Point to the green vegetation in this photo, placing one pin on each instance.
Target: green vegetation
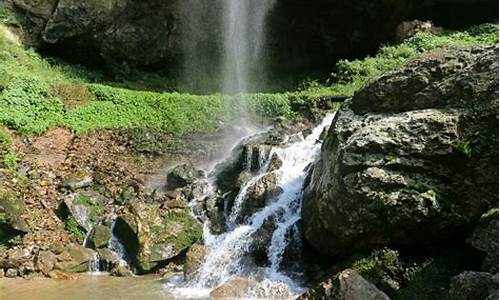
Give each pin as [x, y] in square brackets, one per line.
[72, 227]
[39, 93]
[406, 277]
[94, 208]
[349, 76]
[464, 147]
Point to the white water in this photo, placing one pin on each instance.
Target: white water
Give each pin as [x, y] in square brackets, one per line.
[228, 251]
[244, 38]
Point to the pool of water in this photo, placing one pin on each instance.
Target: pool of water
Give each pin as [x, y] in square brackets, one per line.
[85, 288]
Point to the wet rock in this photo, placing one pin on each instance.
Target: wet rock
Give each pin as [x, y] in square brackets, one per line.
[108, 259]
[152, 235]
[100, 236]
[84, 208]
[485, 239]
[255, 156]
[275, 164]
[397, 165]
[181, 176]
[474, 285]
[194, 258]
[346, 285]
[264, 189]
[75, 259]
[45, 262]
[121, 271]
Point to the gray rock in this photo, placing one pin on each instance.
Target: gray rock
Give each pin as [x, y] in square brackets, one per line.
[474, 286]
[78, 181]
[45, 262]
[397, 165]
[152, 235]
[11, 273]
[485, 239]
[181, 176]
[194, 258]
[346, 285]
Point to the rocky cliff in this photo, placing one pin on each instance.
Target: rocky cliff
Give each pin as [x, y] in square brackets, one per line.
[303, 38]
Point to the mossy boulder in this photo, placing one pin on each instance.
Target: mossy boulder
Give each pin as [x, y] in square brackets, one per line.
[80, 212]
[100, 236]
[12, 222]
[75, 259]
[152, 235]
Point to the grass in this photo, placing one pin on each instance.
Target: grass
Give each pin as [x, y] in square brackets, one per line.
[39, 93]
[350, 76]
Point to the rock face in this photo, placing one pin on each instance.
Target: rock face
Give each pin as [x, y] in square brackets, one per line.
[126, 33]
[152, 235]
[113, 30]
[474, 285]
[347, 285]
[485, 239]
[412, 158]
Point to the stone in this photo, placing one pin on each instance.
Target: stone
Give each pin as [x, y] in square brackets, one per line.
[121, 271]
[264, 189]
[108, 259]
[45, 262]
[60, 275]
[100, 236]
[181, 176]
[75, 259]
[346, 285]
[85, 208]
[485, 239]
[234, 288]
[12, 222]
[194, 258]
[275, 164]
[474, 285]
[78, 181]
[152, 235]
[11, 273]
[394, 169]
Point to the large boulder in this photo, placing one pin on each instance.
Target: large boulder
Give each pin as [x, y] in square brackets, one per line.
[346, 285]
[412, 158]
[474, 285]
[152, 235]
[12, 222]
[75, 259]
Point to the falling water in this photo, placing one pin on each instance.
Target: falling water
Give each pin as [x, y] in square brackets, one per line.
[244, 40]
[223, 44]
[228, 252]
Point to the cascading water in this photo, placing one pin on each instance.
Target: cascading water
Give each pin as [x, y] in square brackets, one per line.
[229, 252]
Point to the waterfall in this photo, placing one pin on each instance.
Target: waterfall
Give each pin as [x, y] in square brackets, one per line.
[244, 40]
[223, 44]
[229, 252]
